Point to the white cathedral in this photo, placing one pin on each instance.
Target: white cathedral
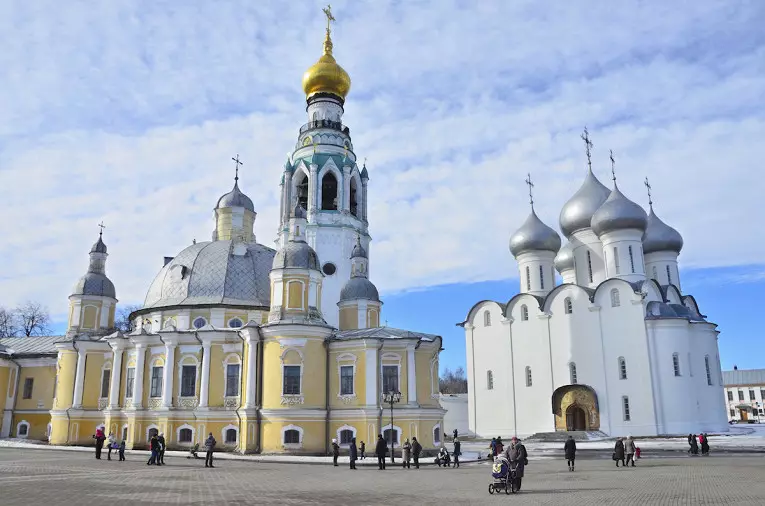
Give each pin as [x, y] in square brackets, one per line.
[616, 348]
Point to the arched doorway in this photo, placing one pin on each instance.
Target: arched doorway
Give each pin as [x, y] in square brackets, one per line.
[576, 408]
[576, 419]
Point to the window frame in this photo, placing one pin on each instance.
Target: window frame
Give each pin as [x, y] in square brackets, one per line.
[487, 318]
[291, 386]
[28, 389]
[632, 258]
[568, 306]
[616, 259]
[524, 313]
[529, 378]
[156, 383]
[541, 277]
[397, 387]
[232, 381]
[528, 278]
[129, 382]
[106, 378]
[181, 431]
[676, 365]
[589, 266]
[709, 370]
[730, 396]
[197, 319]
[622, 365]
[572, 373]
[627, 416]
[344, 379]
[226, 432]
[187, 385]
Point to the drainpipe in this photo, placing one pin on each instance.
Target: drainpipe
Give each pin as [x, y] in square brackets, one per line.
[15, 393]
[242, 379]
[379, 388]
[326, 399]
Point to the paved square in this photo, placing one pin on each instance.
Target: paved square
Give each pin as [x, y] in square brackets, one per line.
[47, 477]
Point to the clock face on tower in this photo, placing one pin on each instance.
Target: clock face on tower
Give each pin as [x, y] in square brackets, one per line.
[307, 141]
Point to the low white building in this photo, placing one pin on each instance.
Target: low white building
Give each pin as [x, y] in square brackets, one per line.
[745, 394]
[456, 416]
[617, 347]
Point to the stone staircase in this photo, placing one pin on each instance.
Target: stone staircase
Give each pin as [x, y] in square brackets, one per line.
[561, 436]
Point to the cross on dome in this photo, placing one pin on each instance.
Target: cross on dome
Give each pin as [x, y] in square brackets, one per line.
[102, 227]
[588, 145]
[613, 165]
[531, 186]
[238, 163]
[648, 188]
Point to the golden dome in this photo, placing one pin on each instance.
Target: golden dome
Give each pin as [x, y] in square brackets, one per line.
[326, 76]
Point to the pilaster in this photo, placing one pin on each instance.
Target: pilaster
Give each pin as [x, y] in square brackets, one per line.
[205, 380]
[251, 372]
[140, 356]
[167, 380]
[114, 387]
[372, 396]
[411, 380]
[79, 379]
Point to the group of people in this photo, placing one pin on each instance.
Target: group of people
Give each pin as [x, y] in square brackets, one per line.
[624, 447]
[157, 445]
[516, 456]
[693, 442]
[111, 445]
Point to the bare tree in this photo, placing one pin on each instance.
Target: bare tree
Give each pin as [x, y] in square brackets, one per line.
[33, 319]
[453, 382]
[122, 322]
[8, 326]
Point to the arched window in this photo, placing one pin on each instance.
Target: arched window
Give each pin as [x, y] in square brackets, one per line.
[231, 436]
[153, 431]
[486, 319]
[615, 297]
[346, 435]
[199, 322]
[301, 185]
[185, 436]
[568, 306]
[235, 323]
[528, 376]
[437, 435]
[354, 198]
[291, 436]
[709, 371]
[489, 380]
[669, 276]
[676, 364]
[541, 278]
[524, 313]
[589, 266]
[572, 372]
[528, 279]
[622, 368]
[655, 274]
[387, 436]
[329, 192]
[632, 259]
[616, 259]
[124, 433]
[22, 429]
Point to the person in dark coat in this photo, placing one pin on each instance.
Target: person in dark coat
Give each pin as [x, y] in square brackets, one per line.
[500, 447]
[362, 448]
[353, 453]
[154, 447]
[456, 453]
[694, 445]
[455, 434]
[619, 452]
[210, 443]
[162, 445]
[493, 448]
[100, 438]
[570, 450]
[690, 443]
[704, 443]
[380, 450]
[335, 452]
[516, 454]
[416, 450]
[122, 450]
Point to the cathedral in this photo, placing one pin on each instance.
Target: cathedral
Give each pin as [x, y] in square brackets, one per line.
[616, 348]
[272, 350]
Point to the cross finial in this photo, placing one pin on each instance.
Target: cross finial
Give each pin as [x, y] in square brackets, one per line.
[648, 188]
[588, 145]
[531, 187]
[102, 227]
[613, 166]
[328, 12]
[238, 163]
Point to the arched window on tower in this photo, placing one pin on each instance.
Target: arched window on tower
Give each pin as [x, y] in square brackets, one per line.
[616, 259]
[622, 368]
[489, 380]
[302, 190]
[572, 372]
[615, 297]
[676, 364]
[541, 278]
[354, 198]
[632, 259]
[329, 192]
[528, 279]
[669, 276]
[709, 371]
[589, 266]
[486, 319]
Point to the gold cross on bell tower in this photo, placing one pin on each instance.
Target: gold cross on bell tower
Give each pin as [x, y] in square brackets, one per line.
[328, 12]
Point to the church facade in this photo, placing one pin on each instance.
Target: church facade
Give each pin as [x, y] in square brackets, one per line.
[616, 348]
[271, 349]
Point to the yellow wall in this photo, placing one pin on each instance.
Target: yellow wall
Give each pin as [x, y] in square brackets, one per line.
[42, 389]
[313, 374]
[349, 318]
[373, 317]
[359, 380]
[91, 391]
[313, 436]
[5, 377]
[216, 384]
[224, 224]
[38, 425]
[422, 359]
[67, 365]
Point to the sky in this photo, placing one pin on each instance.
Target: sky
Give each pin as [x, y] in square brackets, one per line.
[129, 112]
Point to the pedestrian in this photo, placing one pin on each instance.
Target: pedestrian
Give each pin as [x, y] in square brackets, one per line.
[457, 452]
[154, 447]
[380, 449]
[353, 453]
[162, 446]
[516, 453]
[122, 451]
[406, 452]
[694, 445]
[416, 449]
[362, 448]
[99, 437]
[493, 448]
[619, 452]
[111, 442]
[500, 447]
[690, 443]
[335, 452]
[210, 443]
[629, 449]
[443, 457]
[704, 444]
[569, 448]
[455, 434]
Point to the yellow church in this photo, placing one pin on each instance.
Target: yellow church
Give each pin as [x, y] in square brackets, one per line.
[273, 350]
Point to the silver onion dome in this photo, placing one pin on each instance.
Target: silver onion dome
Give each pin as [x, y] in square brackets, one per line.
[564, 260]
[659, 236]
[534, 236]
[618, 213]
[99, 246]
[296, 254]
[577, 212]
[358, 250]
[95, 283]
[359, 288]
[235, 198]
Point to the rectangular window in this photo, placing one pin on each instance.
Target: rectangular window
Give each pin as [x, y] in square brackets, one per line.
[669, 276]
[129, 382]
[626, 408]
[156, 382]
[762, 395]
[676, 364]
[616, 259]
[105, 383]
[528, 377]
[232, 380]
[528, 279]
[489, 380]
[188, 381]
[709, 371]
[632, 259]
[28, 387]
[541, 278]
[730, 395]
[589, 266]
[390, 378]
[291, 384]
[622, 368]
[732, 412]
[751, 395]
[741, 395]
[346, 380]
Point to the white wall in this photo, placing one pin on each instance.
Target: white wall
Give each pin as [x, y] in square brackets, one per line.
[456, 416]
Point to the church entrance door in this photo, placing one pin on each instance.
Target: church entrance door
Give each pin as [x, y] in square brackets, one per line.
[744, 415]
[576, 408]
[575, 418]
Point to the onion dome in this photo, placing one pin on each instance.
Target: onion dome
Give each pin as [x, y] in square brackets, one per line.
[564, 260]
[618, 213]
[94, 283]
[326, 76]
[534, 236]
[99, 246]
[358, 250]
[659, 236]
[359, 288]
[235, 198]
[578, 211]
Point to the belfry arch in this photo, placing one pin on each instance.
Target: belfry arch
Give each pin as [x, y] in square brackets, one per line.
[576, 408]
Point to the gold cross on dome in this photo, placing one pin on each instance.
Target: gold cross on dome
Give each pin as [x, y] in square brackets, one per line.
[328, 12]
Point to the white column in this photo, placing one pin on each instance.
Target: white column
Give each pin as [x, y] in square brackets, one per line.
[364, 207]
[140, 355]
[167, 380]
[346, 189]
[79, 379]
[411, 379]
[114, 388]
[372, 395]
[251, 373]
[205, 381]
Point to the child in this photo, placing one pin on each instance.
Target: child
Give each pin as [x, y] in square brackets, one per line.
[122, 450]
[362, 447]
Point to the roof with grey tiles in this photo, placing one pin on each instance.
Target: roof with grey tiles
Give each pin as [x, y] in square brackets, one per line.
[383, 333]
[744, 377]
[32, 345]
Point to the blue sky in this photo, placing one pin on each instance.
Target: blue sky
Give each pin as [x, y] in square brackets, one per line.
[129, 111]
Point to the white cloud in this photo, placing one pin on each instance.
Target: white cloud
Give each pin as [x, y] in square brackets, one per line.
[130, 113]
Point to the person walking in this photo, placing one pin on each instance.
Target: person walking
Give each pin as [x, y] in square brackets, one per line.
[493, 448]
[629, 449]
[99, 437]
[335, 452]
[406, 454]
[111, 442]
[362, 447]
[457, 452]
[499, 447]
[154, 447]
[122, 450]
[380, 449]
[619, 452]
[353, 453]
[704, 444]
[210, 443]
[416, 449]
[162, 446]
[455, 434]
[690, 443]
[569, 448]
[517, 456]
[694, 445]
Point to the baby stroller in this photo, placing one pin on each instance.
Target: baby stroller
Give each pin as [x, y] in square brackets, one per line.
[193, 452]
[503, 473]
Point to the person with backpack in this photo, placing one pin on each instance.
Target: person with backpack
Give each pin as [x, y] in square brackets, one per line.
[210, 443]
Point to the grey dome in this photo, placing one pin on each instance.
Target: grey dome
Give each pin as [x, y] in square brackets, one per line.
[218, 272]
[359, 288]
[564, 260]
[577, 212]
[297, 255]
[659, 236]
[235, 198]
[93, 283]
[618, 213]
[358, 250]
[298, 212]
[99, 246]
[534, 236]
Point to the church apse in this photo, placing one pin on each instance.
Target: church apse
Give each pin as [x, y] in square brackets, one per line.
[576, 408]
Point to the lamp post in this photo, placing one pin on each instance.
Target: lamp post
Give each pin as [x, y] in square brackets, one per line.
[391, 398]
